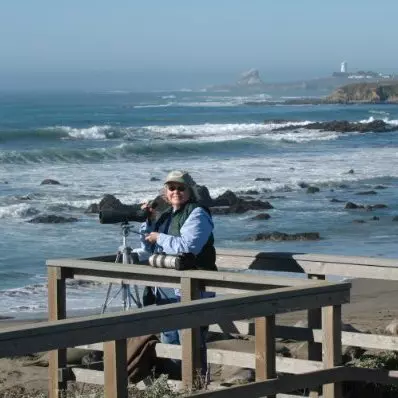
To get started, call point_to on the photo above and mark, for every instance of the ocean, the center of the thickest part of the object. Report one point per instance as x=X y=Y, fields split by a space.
x=119 y=143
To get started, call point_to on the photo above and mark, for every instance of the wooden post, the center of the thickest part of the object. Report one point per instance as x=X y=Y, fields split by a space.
x=332 y=351
x=314 y=318
x=190 y=366
x=265 y=348
x=115 y=369
x=56 y=311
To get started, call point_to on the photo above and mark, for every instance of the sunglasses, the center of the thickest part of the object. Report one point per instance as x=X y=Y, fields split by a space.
x=173 y=188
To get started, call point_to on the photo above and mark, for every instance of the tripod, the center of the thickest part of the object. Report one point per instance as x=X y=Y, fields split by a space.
x=125 y=253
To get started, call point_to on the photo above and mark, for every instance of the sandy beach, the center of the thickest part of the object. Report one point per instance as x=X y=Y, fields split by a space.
x=374 y=304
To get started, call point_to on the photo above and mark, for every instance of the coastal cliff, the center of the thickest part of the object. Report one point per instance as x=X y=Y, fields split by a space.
x=356 y=93
x=365 y=93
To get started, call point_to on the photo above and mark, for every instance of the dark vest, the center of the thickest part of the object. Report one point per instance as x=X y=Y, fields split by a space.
x=206 y=259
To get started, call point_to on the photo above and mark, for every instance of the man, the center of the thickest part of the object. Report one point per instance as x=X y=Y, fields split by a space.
x=185 y=227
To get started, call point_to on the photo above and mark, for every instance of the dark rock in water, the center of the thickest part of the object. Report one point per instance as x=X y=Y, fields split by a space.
x=334 y=200
x=366 y=193
x=109 y=202
x=49 y=181
x=27 y=197
x=92 y=209
x=358 y=221
x=351 y=171
x=281 y=236
x=262 y=179
x=395 y=218
x=228 y=198
x=312 y=189
x=343 y=186
x=345 y=126
x=380 y=187
x=351 y=205
x=375 y=218
x=303 y=185
x=52 y=219
x=221 y=210
x=376 y=206
x=242 y=207
x=251 y=192
x=262 y=216
x=204 y=196
x=154 y=179
x=247 y=197
x=276 y=197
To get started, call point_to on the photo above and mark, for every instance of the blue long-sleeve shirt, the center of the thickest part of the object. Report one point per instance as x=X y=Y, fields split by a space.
x=194 y=234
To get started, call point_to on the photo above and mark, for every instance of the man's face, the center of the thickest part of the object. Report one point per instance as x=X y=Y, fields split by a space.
x=177 y=194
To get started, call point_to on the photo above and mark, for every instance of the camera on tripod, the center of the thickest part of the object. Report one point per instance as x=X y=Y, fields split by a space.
x=125 y=214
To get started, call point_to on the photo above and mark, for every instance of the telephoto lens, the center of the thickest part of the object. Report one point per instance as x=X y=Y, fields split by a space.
x=179 y=262
x=113 y=216
x=126 y=213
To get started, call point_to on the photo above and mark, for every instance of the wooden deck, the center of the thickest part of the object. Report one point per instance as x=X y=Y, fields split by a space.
x=245 y=296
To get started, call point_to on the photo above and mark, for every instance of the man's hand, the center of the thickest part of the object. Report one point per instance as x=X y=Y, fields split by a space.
x=152 y=237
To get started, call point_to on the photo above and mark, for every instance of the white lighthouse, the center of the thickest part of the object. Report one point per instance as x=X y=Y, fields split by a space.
x=343 y=67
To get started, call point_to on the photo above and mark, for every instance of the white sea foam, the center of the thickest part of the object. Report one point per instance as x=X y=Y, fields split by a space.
x=371 y=119
x=379 y=112
x=91 y=133
x=21 y=210
x=228 y=131
x=153 y=105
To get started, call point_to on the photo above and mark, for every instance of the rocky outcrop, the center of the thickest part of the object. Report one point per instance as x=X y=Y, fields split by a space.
x=250 y=78
x=281 y=236
x=52 y=219
x=344 y=126
x=49 y=181
x=366 y=92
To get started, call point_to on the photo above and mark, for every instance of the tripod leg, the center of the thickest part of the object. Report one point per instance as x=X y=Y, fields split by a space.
x=106 y=298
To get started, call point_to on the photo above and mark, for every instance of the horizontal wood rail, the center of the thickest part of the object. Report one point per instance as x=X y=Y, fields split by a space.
x=45 y=336
x=316 y=264
x=354 y=339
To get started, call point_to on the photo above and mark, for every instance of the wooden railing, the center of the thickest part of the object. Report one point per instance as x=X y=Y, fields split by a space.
x=113 y=329
x=315 y=266
x=323 y=326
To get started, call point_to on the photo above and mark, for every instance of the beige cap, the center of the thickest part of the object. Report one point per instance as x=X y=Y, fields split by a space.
x=180 y=176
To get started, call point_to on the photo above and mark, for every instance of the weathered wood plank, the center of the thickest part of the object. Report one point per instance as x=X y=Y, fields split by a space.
x=285 y=383
x=190 y=345
x=381 y=376
x=331 y=346
x=314 y=317
x=115 y=369
x=142 y=273
x=242 y=359
x=265 y=348
x=224 y=254
x=56 y=310
x=115 y=326
x=321 y=264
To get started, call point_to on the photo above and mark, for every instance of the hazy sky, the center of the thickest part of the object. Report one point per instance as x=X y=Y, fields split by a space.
x=137 y=44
